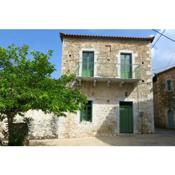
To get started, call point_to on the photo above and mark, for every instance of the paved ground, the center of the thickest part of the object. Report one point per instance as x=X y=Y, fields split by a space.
x=159 y=138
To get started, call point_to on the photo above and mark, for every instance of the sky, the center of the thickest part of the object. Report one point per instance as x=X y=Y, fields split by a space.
x=163 y=54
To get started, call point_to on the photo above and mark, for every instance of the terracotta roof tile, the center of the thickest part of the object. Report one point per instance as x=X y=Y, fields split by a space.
x=63 y=35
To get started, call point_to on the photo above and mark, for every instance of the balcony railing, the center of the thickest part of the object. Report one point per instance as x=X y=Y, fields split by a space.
x=109 y=70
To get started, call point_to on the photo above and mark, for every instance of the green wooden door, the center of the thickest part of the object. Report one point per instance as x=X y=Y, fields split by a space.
x=88 y=64
x=126 y=117
x=170 y=119
x=126 y=65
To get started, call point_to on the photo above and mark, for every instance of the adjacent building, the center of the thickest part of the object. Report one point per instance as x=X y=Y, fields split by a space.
x=164 y=98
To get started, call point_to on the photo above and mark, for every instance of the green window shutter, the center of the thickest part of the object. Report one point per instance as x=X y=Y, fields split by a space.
x=88 y=64
x=86 y=113
x=170 y=119
x=126 y=65
x=169 y=85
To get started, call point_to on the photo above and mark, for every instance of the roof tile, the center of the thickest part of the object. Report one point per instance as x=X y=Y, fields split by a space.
x=63 y=35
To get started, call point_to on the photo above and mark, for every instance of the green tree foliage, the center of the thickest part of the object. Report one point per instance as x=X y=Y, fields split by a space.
x=26 y=83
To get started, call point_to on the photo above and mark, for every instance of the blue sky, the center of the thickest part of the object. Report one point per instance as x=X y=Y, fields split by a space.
x=43 y=40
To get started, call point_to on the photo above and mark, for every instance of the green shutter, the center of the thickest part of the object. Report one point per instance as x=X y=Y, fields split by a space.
x=126 y=65
x=169 y=85
x=86 y=113
x=126 y=117
x=170 y=119
x=88 y=64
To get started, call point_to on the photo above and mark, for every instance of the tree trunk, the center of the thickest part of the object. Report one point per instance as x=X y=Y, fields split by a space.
x=17 y=132
x=10 y=118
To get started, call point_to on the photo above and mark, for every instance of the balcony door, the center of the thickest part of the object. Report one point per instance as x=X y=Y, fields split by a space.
x=126 y=65
x=88 y=64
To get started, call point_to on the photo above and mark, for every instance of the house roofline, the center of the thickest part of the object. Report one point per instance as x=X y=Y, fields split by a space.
x=166 y=70
x=63 y=35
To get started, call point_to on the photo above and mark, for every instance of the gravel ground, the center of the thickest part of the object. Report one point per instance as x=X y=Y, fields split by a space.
x=159 y=138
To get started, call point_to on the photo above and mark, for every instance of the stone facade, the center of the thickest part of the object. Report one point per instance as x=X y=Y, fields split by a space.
x=106 y=97
x=164 y=100
x=108 y=60
x=106 y=90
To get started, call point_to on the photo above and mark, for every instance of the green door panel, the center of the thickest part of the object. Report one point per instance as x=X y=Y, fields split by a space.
x=88 y=64
x=126 y=65
x=126 y=117
x=170 y=119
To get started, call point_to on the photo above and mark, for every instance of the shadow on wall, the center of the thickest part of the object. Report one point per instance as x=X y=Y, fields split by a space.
x=143 y=122
x=109 y=125
x=54 y=126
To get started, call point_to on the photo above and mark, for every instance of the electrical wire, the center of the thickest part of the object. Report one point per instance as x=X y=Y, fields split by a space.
x=158 y=38
x=171 y=58
x=164 y=35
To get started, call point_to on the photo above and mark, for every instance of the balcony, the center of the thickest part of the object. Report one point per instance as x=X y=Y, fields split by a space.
x=108 y=72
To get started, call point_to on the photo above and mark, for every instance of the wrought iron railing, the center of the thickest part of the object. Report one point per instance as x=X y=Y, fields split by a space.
x=109 y=70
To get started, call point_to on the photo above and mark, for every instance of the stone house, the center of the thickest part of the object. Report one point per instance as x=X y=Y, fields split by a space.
x=115 y=74
x=164 y=98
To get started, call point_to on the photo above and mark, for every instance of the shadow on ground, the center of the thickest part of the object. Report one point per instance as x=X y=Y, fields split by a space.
x=160 y=138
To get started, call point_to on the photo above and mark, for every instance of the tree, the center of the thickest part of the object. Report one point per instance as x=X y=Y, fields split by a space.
x=26 y=83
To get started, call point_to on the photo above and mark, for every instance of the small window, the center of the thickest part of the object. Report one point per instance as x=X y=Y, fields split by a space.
x=86 y=113
x=169 y=85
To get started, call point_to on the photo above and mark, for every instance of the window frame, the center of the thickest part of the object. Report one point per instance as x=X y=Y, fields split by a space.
x=83 y=53
x=167 y=85
x=130 y=65
x=91 y=113
x=81 y=59
x=172 y=112
x=118 y=57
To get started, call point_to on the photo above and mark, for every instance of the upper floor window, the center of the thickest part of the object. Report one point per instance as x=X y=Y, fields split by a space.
x=126 y=65
x=88 y=63
x=169 y=85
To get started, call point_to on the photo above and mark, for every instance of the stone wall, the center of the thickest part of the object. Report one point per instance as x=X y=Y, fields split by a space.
x=106 y=98
x=105 y=119
x=163 y=100
x=105 y=57
x=41 y=125
x=3 y=130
